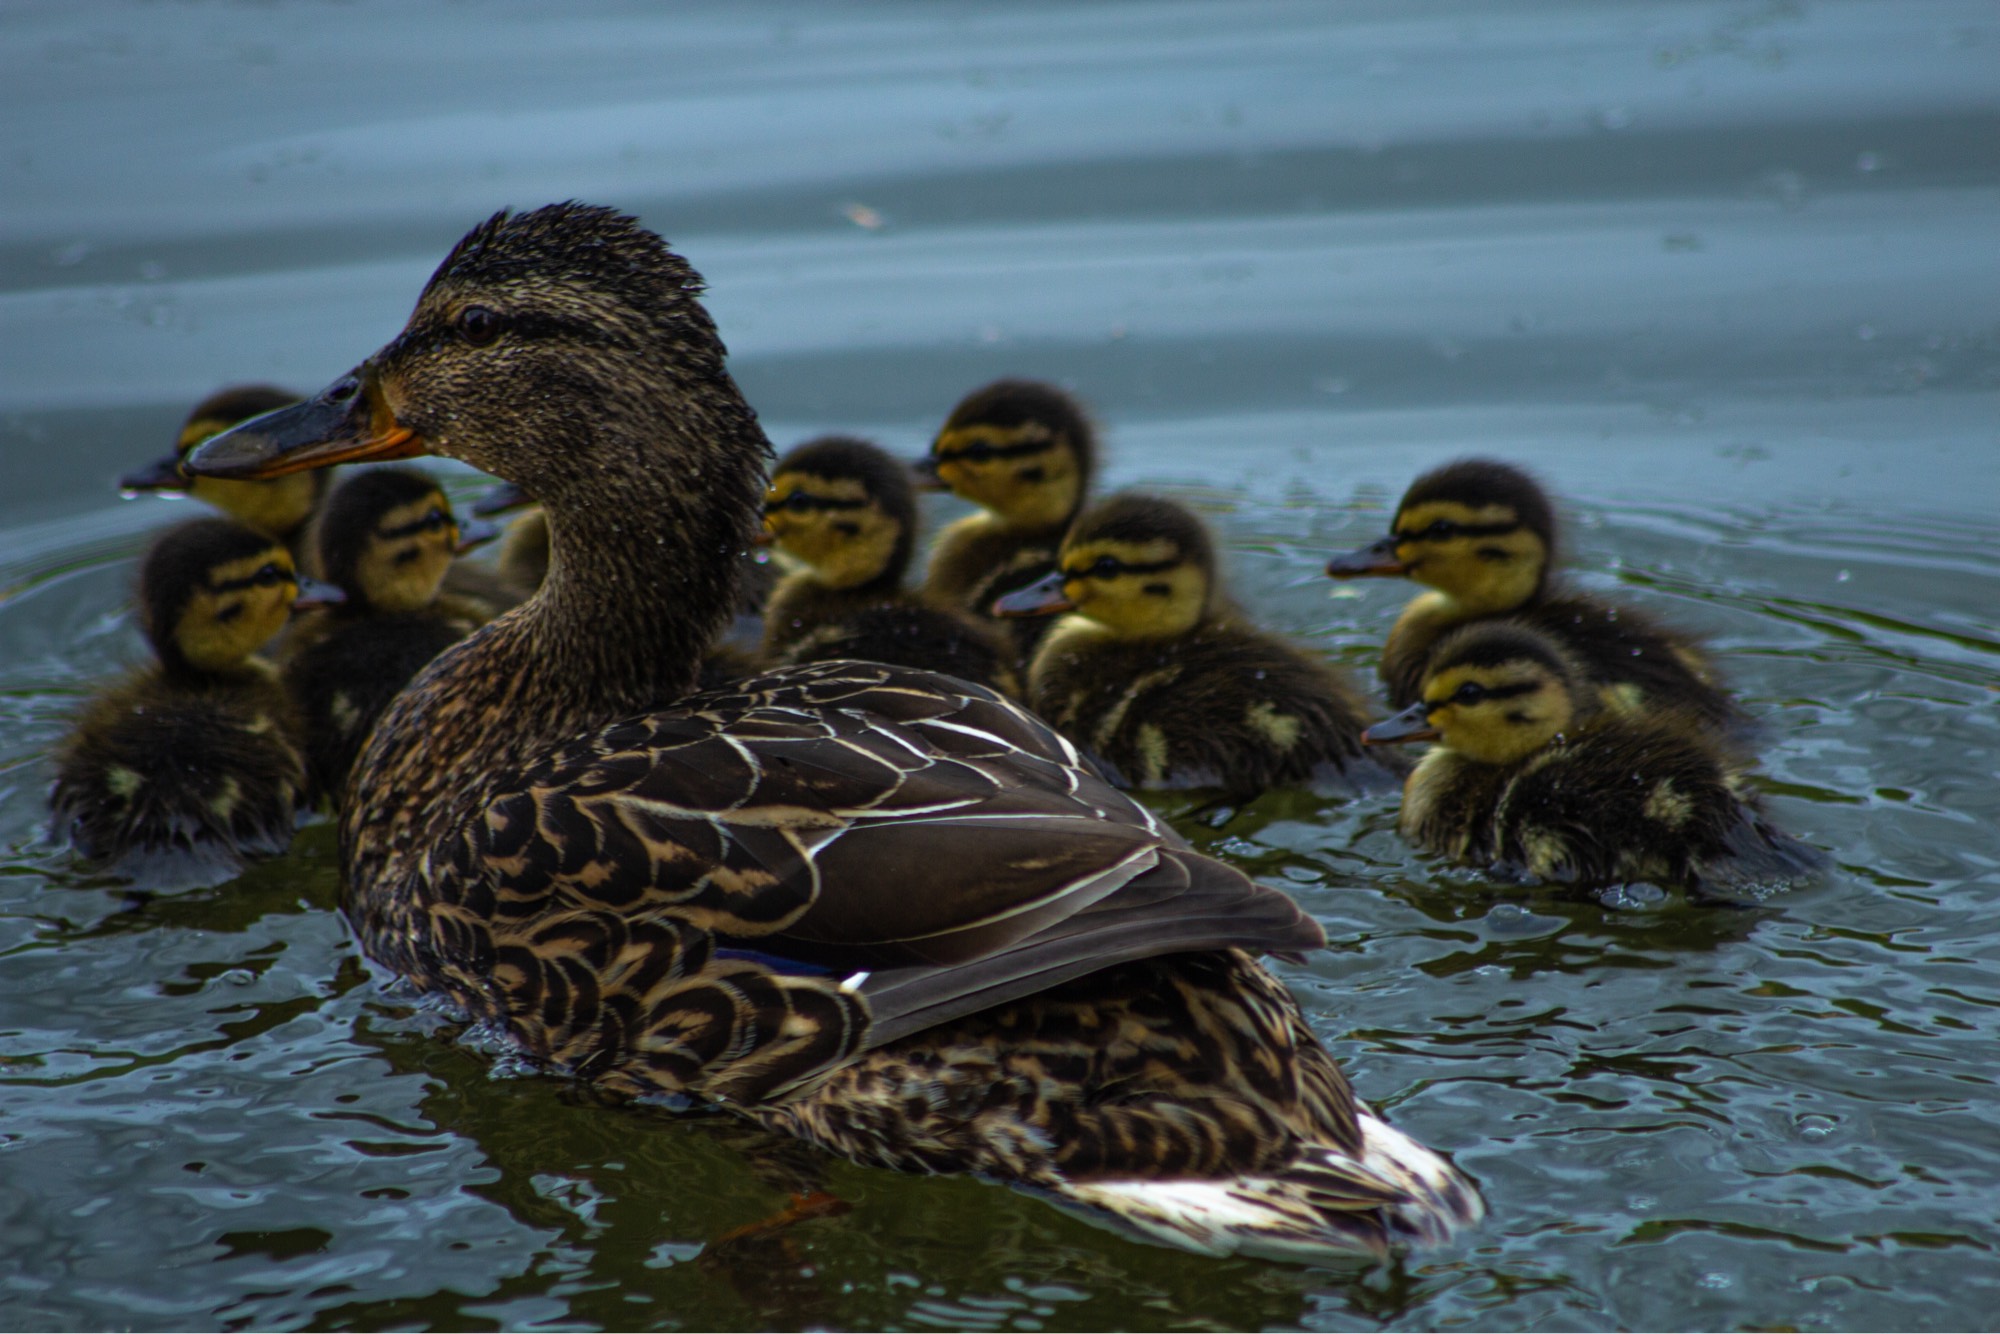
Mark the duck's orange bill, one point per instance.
(347, 422)
(1412, 724)
(1044, 597)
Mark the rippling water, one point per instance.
(1722, 272)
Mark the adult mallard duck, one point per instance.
(385, 538)
(1022, 451)
(1532, 773)
(846, 512)
(1482, 535)
(881, 909)
(191, 768)
(1163, 682)
(281, 507)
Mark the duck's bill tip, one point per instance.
(1377, 558)
(1412, 724)
(337, 425)
(1044, 597)
(162, 474)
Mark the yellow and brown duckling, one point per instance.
(845, 512)
(1482, 536)
(386, 538)
(1156, 675)
(281, 507)
(1533, 774)
(1023, 451)
(885, 910)
(191, 768)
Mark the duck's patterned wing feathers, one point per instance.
(870, 849)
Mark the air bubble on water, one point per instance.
(1716, 1279)
(1843, 576)
(238, 977)
(1815, 1127)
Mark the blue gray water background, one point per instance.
(1723, 273)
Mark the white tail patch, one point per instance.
(1324, 1206)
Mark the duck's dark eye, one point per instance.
(478, 325)
(1469, 693)
(977, 452)
(270, 575)
(1104, 567)
(798, 501)
(435, 520)
(1439, 531)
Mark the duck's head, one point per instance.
(213, 591)
(277, 507)
(845, 508)
(1021, 449)
(1141, 566)
(386, 538)
(1481, 532)
(565, 350)
(1494, 692)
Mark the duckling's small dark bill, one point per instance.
(343, 423)
(501, 498)
(1412, 724)
(1044, 597)
(162, 474)
(1377, 558)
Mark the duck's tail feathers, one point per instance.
(1326, 1205)
(1759, 860)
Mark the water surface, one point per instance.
(1721, 272)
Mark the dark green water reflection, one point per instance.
(1722, 272)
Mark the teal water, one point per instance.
(1723, 273)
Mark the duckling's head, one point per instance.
(846, 508)
(1494, 692)
(1021, 449)
(1480, 532)
(213, 591)
(1141, 566)
(278, 507)
(386, 538)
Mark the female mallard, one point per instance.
(1160, 680)
(1022, 451)
(191, 768)
(280, 507)
(878, 908)
(1482, 535)
(386, 538)
(1531, 773)
(846, 512)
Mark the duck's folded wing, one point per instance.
(847, 819)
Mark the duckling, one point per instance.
(1482, 535)
(1532, 772)
(191, 768)
(280, 507)
(1160, 679)
(386, 539)
(847, 513)
(1022, 451)
(883, 910)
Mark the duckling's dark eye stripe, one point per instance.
(1486, 695)
(1444, 528)
(1101, 570)
(803, 503)
(982, 450)
(430, 523)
